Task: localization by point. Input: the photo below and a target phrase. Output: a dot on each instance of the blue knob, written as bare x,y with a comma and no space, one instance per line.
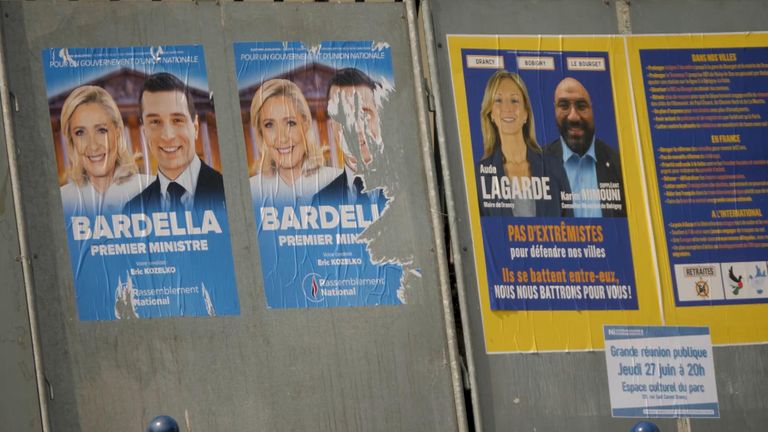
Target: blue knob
163,423
645,426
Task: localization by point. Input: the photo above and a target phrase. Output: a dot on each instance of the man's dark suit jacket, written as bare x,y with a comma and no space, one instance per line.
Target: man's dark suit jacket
209,193
337,193
607,168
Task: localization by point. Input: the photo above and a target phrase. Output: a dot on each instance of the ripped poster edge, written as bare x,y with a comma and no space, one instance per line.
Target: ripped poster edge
313,134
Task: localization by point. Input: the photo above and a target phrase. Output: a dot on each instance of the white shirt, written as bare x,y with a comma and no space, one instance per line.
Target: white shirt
187,179
582,176
85,199
375,194
351,181
266,190
352,192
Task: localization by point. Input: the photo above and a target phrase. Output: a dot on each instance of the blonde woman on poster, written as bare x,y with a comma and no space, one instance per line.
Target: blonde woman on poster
514,177
102,170
290,165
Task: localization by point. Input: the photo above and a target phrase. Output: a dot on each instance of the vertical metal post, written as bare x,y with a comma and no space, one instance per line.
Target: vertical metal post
625,28
434,82
21,228
437,221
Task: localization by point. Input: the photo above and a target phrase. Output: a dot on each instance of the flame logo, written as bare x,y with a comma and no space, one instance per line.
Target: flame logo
310,287
314,287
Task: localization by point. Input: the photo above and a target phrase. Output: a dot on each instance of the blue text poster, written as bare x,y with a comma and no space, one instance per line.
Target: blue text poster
708,126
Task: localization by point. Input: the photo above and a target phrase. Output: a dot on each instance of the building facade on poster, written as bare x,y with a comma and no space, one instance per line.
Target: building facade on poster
142,194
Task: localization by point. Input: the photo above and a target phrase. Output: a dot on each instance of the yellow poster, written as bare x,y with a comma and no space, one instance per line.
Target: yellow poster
555,190
703,121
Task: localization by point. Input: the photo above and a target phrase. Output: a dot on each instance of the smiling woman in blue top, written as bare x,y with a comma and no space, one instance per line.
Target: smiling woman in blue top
513,176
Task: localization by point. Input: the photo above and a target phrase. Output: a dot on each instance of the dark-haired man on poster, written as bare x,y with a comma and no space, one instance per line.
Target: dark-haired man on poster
352,96
170,124
592,166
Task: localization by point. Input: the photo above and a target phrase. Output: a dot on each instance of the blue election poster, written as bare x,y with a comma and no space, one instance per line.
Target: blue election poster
134,133
547,174
708,128
660,371
311,125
